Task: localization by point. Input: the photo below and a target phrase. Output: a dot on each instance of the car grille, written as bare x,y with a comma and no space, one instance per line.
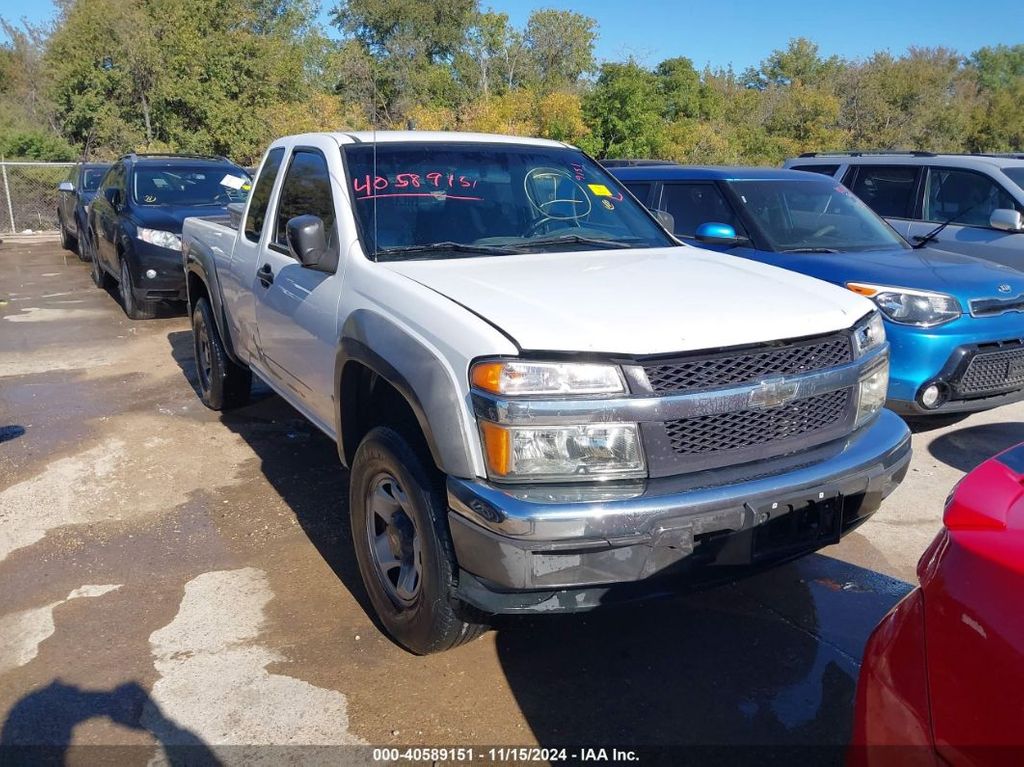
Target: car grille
993,372
723,432
989,307
738,367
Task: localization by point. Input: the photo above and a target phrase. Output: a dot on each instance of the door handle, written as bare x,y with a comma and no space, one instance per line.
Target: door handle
266,275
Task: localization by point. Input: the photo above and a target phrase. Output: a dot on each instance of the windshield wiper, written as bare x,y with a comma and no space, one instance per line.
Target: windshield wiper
809,250
443,247
924,239
576,240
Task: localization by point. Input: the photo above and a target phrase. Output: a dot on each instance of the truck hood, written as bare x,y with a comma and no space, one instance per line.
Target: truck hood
637,302
924,269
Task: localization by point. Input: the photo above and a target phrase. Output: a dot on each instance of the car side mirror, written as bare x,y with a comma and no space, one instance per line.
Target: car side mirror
715,233
307,240
235,212
1006,220
666,219
65,186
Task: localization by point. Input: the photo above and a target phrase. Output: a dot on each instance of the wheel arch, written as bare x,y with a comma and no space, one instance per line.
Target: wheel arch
201,282
414,374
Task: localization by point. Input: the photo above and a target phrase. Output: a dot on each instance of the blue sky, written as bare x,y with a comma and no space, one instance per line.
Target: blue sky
743,32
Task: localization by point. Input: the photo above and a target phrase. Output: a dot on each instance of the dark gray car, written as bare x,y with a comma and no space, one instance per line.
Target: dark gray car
76,194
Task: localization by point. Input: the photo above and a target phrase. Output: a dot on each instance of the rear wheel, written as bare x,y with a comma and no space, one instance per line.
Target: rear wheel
135,309
403,546
67,241
223,384
99,275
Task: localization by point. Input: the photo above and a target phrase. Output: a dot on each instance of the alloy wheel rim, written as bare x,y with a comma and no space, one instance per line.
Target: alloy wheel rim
393,540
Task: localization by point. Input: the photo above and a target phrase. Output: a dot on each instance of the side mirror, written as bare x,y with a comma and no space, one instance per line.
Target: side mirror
235,211
1006,220
715,233
666,219
307,240
113,196
65,186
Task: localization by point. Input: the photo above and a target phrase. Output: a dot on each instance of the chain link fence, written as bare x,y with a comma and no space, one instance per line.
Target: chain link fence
28,195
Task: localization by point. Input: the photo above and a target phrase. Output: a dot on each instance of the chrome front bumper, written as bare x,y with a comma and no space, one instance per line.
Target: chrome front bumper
539,537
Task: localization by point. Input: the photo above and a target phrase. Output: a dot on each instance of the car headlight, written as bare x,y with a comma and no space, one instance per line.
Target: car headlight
160,238
567,453
921,308
868,334
515,377
872,392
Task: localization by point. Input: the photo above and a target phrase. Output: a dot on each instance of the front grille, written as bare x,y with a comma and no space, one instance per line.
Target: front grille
993,372
723,432
989,307
738,367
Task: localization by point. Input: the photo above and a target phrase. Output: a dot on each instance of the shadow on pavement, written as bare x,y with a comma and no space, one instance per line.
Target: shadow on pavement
965,449
770,660
8,433
40,727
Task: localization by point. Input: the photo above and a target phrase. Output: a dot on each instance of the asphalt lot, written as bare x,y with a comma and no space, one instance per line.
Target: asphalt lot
171,575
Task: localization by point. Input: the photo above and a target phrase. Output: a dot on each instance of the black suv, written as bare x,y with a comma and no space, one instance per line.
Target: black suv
73,203
134,227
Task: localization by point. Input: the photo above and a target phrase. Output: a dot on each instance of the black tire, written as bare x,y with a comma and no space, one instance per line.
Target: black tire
66,240
428,618
223,384
100,277
133,308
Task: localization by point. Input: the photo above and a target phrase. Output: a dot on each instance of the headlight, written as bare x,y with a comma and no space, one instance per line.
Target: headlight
868,334
160,238
567,453
872,392
922,308
512,377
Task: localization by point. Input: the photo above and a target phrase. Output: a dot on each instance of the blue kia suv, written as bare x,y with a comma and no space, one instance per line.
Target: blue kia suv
956,323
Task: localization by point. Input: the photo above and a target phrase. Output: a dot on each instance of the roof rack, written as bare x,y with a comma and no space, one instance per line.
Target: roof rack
870,152
630,163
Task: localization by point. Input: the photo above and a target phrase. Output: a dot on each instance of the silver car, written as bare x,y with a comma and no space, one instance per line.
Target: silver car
971,204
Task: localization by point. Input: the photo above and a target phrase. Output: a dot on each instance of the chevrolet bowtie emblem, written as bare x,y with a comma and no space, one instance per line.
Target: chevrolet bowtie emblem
773,392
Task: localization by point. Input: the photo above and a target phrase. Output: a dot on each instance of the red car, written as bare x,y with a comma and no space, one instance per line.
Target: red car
944,670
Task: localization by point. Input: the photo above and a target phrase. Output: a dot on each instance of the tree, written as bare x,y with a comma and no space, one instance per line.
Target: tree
624,111
680,87
561,47
800,62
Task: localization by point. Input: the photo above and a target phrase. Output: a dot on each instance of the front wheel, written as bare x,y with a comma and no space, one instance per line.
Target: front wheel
67,242
403,547
223,384
100,277
135,309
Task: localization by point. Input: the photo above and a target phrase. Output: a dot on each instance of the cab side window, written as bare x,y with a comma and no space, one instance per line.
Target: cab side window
306,191
113,180
963,196
887,189
639,189
257,214
694,204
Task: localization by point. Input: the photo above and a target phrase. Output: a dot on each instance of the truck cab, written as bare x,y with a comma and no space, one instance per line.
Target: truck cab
544,400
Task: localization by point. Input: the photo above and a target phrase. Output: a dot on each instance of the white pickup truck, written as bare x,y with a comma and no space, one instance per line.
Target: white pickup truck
545,402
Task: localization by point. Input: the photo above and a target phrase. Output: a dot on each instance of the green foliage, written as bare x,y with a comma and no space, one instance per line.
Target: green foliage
227,76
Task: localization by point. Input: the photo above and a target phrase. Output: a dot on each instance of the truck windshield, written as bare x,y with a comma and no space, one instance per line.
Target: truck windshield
458,200
190,186
813,216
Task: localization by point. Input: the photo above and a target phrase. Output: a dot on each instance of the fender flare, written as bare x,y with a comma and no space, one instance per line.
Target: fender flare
200,263
418,375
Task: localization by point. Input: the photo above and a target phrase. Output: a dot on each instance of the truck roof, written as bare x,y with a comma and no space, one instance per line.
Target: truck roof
389,136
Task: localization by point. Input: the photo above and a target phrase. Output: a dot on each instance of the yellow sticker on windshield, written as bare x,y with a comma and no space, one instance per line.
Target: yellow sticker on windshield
600,190
246,187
